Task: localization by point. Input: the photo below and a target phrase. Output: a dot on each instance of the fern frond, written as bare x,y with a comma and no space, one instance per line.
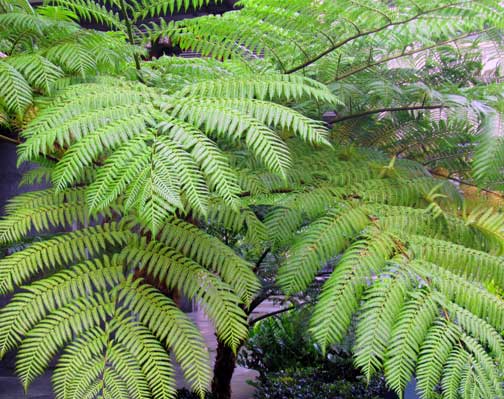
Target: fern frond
208,156
452,376
211,253
41,210
88,149
38,71
73,365
58,251
407,336
228,122
47,337
153,357
152,8
323,240
91,11
436,358
169,324
264,87
42,297
15,92
341,293
177,271
382,305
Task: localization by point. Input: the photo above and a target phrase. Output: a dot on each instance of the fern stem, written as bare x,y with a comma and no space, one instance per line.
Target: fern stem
129,31
367,33
405,54
9,139
388,109
460,181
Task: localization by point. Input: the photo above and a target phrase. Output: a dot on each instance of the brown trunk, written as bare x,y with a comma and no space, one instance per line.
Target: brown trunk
225,363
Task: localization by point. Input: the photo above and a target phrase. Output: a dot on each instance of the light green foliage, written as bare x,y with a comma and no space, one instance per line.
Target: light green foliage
161,175
170,141
409,77
91,289
414,281
41,46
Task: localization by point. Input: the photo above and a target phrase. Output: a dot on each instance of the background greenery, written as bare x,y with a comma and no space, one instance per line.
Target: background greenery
214,177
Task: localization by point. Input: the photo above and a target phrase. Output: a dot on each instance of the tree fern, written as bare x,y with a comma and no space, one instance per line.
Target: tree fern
90,289
409,277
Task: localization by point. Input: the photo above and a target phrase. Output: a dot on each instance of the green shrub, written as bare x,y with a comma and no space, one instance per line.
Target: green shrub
291,365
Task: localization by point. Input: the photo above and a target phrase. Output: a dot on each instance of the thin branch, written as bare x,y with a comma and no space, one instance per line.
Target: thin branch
448,156
276,312
460,181
389,109
261,259
131,39
10,139
404,54
367,33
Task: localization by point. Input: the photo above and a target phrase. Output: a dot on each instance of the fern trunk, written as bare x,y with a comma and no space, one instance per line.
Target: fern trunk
224,366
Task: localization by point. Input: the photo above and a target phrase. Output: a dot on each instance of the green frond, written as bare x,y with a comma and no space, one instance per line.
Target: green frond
177,271
383,302
73,365
211,253
210,159
488,379
128,366
91,11
44,340
481,330
489,156
436,359
288,215
472,296
262,87
112,386
215,116
15,92
407,336
58,251
37,70
186,169
88,149
73,58
282,117
454,371
120,170
491,224
321,241
89,380
22,22
342,292
153,357
44,209
74,115
477,265
42,297
169,324
155,7
38,175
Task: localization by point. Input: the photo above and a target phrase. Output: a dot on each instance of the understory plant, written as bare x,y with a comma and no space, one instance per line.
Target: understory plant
291,364
214,178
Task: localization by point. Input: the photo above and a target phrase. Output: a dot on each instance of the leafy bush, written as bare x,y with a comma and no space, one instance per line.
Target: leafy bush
281,342
292,365
317,383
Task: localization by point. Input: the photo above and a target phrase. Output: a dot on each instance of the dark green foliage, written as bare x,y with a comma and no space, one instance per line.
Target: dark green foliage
319,383
292,365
